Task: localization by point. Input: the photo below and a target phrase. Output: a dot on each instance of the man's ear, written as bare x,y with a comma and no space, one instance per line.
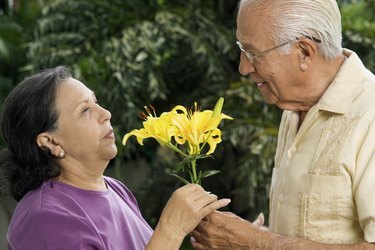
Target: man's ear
307,51
48,141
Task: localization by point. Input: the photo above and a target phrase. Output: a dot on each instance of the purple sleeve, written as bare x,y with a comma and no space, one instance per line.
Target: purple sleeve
40,233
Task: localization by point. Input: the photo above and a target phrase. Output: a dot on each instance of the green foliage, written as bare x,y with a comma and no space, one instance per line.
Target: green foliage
359,29
14,33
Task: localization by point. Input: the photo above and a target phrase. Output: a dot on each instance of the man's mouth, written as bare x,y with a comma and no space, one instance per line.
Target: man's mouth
259,84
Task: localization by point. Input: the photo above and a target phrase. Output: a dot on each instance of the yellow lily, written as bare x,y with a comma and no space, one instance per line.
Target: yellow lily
197,127
159,128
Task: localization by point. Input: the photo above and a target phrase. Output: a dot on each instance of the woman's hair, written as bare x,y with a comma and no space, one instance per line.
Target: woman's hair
28,111
292,19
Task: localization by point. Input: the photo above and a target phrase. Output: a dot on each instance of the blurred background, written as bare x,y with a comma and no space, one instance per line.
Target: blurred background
160,52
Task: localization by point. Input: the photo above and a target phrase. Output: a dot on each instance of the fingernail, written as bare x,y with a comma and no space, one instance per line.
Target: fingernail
227,200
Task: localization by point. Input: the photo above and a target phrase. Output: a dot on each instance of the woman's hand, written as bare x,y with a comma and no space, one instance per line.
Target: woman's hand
186,208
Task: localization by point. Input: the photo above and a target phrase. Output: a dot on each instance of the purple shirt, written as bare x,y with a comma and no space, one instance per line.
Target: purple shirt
60,216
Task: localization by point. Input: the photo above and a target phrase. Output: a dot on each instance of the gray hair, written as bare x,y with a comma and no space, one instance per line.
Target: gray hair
292,19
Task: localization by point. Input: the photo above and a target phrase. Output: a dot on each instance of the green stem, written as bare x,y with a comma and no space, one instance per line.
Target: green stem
194,170
176,149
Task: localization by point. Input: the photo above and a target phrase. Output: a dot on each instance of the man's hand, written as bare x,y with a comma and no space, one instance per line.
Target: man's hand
225,230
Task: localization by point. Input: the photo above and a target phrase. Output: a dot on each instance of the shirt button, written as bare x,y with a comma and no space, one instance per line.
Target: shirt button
291,152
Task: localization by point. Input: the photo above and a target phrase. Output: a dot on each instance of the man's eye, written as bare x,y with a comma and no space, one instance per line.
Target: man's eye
85,109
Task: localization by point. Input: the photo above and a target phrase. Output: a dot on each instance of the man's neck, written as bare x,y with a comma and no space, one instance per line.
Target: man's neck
328,73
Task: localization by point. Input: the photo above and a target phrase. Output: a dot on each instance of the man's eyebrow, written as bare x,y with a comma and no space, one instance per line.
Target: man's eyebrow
247,46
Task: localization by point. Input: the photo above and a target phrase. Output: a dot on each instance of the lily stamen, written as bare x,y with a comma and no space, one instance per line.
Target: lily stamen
142,115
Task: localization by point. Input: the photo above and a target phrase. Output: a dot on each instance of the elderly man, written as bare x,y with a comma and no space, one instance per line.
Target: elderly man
322,193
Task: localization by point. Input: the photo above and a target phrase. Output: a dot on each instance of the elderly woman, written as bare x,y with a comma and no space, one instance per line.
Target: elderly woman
59,142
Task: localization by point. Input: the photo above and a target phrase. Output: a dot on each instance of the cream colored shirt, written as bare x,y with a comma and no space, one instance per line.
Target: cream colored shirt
323,183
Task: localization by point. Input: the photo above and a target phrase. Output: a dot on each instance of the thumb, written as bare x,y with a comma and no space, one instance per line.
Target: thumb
259,221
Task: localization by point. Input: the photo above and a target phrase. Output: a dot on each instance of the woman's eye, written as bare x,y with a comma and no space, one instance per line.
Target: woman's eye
85,109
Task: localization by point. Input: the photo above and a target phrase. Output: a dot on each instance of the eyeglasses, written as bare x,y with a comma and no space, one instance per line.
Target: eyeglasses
252,56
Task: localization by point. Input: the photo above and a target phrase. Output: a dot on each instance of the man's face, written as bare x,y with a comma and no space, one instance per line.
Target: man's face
278,77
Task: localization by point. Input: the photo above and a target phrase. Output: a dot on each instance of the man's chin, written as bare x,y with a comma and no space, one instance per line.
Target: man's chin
270,100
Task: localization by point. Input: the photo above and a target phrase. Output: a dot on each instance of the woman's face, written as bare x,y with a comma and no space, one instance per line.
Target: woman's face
84,129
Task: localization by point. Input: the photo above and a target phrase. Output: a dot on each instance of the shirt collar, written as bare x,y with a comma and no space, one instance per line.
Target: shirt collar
340,94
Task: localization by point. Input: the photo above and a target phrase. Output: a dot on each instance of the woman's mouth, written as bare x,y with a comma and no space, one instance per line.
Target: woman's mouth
110,135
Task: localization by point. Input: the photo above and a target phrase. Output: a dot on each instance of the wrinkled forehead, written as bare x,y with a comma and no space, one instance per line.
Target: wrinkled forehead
70,93
253,24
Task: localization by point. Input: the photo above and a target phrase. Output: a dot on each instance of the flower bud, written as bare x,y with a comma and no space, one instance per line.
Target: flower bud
218,107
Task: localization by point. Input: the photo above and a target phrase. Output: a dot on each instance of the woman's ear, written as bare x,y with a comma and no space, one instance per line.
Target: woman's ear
48,141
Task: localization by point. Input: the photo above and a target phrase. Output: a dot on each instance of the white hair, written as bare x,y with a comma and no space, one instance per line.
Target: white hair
292,19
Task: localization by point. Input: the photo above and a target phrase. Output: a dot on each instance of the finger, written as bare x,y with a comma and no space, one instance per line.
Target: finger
190,188
214,206
196,245
229,214
193,188
189,192
197,236
200,227
259,221
205,199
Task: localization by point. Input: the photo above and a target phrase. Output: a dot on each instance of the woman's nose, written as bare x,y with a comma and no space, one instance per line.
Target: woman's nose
105,114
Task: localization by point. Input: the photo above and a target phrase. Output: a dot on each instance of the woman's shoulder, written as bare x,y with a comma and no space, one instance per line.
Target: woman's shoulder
41,211
121,190
118,186
44,202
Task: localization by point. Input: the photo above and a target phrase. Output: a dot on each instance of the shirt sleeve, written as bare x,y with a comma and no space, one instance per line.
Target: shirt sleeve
54,230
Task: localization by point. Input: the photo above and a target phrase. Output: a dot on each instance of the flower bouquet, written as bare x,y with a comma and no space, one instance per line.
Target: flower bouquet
193,134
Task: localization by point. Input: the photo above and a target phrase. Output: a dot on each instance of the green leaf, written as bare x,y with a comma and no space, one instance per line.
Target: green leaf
180,166
209,173
4,51
203,156
180,178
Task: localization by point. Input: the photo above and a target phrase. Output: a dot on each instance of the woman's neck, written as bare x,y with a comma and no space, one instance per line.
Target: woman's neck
82,179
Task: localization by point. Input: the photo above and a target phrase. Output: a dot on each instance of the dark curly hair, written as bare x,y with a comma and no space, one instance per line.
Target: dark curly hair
28,111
